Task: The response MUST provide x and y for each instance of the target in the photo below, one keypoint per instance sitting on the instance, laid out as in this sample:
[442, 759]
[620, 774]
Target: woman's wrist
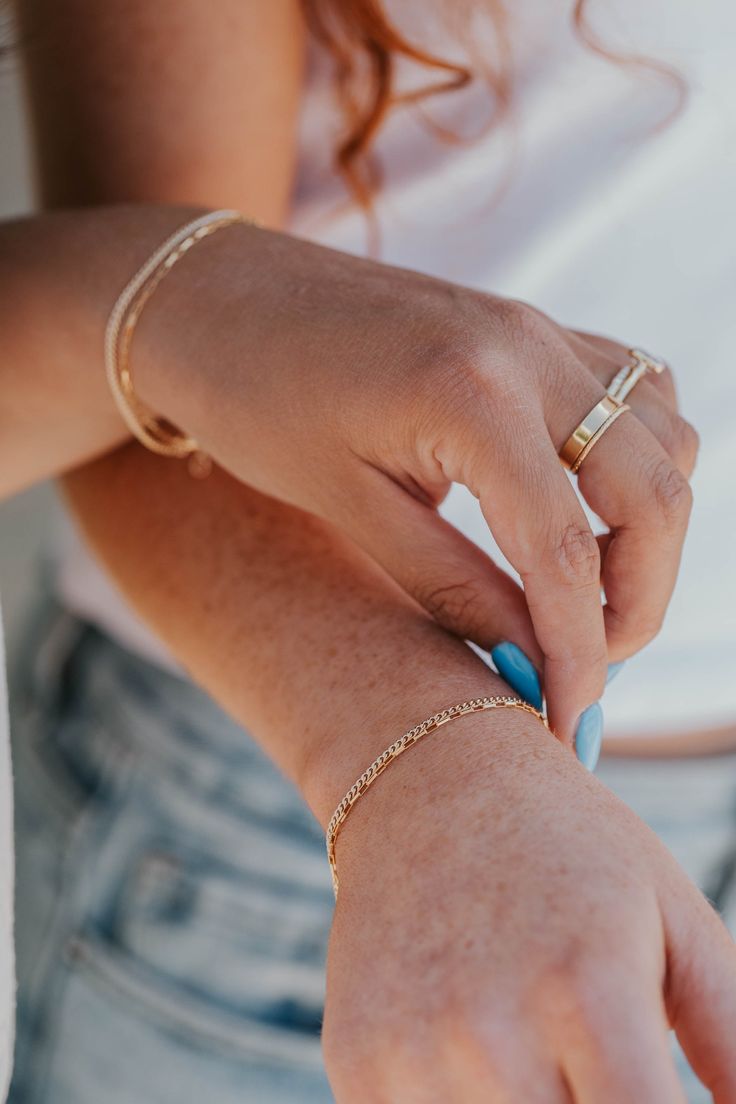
[464, 773]
[181, 336]
[338, 754]
[399, 747]
[60, 274]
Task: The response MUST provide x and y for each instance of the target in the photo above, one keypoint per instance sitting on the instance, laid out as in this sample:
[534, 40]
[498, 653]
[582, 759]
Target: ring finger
[609, 355]
[653, 399]
[631, 483]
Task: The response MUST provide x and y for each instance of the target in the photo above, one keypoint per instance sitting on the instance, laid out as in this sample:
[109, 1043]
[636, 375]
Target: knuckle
[446, 339]
[447, 361]
[458, 379]
[672, 495]
[454, 605]
[515, 315]
[482, 362]
[522, 328]
[577, 555]
[519, 317]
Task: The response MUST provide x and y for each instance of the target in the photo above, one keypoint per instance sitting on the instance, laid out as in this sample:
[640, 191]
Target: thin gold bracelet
[368, 777]
[152, 430]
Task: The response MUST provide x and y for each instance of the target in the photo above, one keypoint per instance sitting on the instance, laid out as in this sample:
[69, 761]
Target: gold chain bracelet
[152, 430]
[369, 776]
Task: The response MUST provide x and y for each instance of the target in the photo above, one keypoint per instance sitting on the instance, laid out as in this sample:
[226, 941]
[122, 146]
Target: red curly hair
[365, 44]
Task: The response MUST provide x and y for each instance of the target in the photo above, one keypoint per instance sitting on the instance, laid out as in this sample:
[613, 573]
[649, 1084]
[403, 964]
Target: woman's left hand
[507, 931]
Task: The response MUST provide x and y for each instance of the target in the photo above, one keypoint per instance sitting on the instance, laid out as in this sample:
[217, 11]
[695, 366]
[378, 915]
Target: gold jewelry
[378, 766]
[589, 432]
[152, 430]
[626, 379]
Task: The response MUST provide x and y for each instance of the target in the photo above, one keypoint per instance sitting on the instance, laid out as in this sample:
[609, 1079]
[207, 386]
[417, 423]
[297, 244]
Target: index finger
[541, 528]
[632, 484]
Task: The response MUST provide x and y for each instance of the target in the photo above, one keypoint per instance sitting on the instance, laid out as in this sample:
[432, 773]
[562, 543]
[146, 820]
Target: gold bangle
[378, 766]
[157, 433]
[591, 429]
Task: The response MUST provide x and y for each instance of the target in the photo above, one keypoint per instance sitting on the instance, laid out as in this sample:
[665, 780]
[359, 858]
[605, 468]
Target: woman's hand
[360, 392]
[519, 935]
[501, 917]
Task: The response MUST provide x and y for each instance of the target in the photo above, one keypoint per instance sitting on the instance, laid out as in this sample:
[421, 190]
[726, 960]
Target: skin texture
[459, 372]
[371, 435]
[518, 935]
[307, 350]
[64, 270]
[478, 928]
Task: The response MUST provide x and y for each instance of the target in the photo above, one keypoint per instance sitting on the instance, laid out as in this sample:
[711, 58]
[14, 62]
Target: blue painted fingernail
[613, 670]
[518, 671]
[589, 736]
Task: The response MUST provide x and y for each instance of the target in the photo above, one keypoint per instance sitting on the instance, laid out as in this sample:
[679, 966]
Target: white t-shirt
[596, 209]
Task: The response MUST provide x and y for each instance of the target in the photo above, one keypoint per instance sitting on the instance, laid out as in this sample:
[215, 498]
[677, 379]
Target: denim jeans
[174, 899]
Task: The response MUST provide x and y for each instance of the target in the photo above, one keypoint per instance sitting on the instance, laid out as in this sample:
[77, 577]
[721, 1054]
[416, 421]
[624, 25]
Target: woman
[322, 633]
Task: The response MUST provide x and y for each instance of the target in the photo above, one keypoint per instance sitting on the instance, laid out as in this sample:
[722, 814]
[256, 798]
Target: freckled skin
[357, 390]
[488, 883]
[505, 926]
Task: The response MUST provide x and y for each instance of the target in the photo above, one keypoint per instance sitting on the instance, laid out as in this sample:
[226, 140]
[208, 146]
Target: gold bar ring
[589, 432]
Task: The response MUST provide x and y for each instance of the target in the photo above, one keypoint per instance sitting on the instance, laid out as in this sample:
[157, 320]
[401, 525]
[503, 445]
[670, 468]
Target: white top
[593, 211]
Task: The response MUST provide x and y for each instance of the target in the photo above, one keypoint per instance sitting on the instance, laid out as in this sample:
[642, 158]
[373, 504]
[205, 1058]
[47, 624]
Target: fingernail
[518, 671]
[589, 736]
[613, 670]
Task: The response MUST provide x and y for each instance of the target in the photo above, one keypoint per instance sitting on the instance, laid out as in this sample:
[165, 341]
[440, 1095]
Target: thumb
[700, 994]
[452, 578]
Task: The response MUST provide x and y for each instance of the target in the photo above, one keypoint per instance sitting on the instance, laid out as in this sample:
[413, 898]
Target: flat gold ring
[589, 432]
[626, 379]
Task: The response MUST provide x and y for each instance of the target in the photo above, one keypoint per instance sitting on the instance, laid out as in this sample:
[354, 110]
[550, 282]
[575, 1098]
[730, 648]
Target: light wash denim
[174, 899]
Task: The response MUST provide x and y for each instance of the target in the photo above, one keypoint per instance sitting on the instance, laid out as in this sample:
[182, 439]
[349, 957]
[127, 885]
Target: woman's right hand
[520, 936]
[360, 391]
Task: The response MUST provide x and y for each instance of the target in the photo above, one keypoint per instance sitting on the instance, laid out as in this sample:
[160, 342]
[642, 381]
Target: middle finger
[652, 399]
[633, 485]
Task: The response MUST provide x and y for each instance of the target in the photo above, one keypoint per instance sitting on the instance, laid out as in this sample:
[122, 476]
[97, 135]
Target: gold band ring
[626, 379]
[589, 432]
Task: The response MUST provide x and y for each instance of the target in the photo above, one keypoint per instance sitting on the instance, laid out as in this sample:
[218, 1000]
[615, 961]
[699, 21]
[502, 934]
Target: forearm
[292, 629]
[298, 635]
[59, 277]
[175, 101]
[129, 102]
